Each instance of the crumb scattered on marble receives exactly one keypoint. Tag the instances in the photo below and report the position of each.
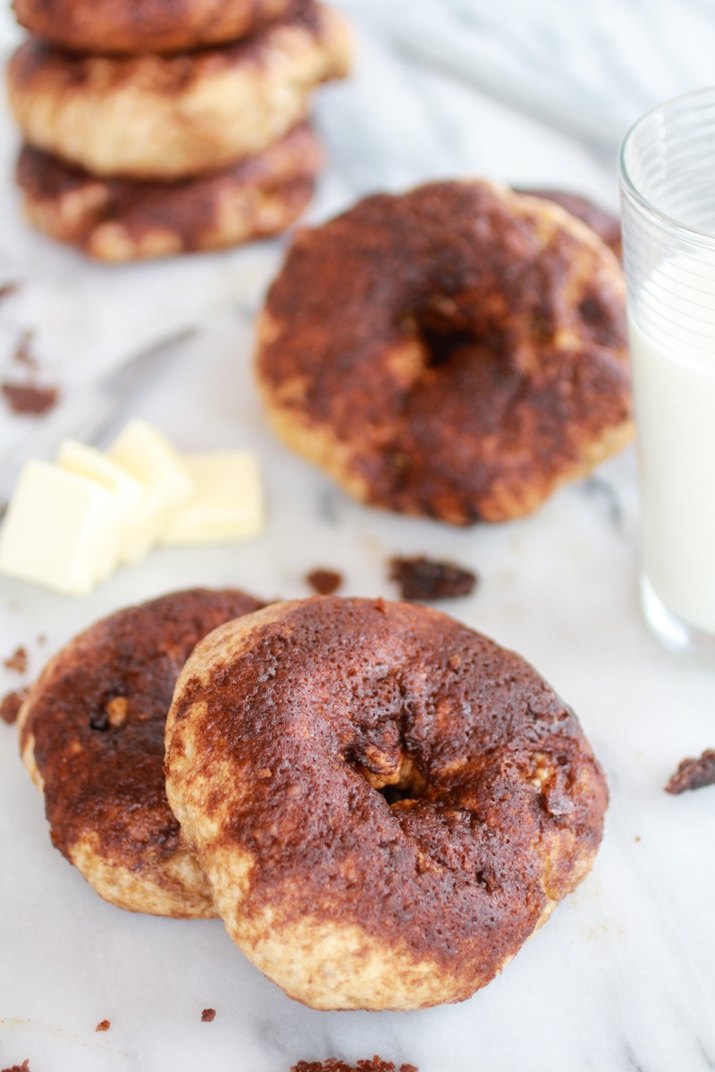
(10, 706)
(41, 639)
(28, 399)
(24, 1067)
(208, 1016)
(324, 581)
(693, 773)
(422, 579)
(103, 1025)
(17, 661)
(637, 838)
(8, 289)
(23, 351)
(333, 1064)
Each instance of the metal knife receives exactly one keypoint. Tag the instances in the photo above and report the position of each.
(90, 411)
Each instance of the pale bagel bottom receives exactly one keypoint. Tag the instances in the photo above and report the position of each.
(124, 220)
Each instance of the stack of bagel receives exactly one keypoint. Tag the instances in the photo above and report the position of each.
(153, 127)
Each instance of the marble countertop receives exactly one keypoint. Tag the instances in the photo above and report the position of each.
(622, 976)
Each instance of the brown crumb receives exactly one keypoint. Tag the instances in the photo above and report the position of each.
(10, 706)
(9, 288)
(23, 351)
(324, 581)
(693, 773)
(424, 579)
(24, 1067)
(27, 399)
(333, 1064)
(208, 1016)
(17, 661)
(41, 638)
(637, 838)
(103, 1025)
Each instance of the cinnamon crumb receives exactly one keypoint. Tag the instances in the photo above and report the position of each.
(324, 581)
(23, 351)
(103, 1025)
(17, 661)
(693, 773)
(208, 1016)
(424, 579)
(333, 1064)
(8, 289)
(10, 706)
(27, 399)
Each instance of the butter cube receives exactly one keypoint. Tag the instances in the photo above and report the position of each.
(149, 457)
(57, 529)
(227, 502)
(126, 490)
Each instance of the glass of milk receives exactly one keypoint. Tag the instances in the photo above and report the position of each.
(668, 203)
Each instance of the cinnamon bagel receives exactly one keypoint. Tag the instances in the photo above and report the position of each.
(125, 220)
(456, 352)
(165, 117)
(136, 26)
(385, 803)
(92, 739)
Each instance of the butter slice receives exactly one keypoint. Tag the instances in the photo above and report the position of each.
(126, 490)
(227, 502)
(149, 457)
(57, 529)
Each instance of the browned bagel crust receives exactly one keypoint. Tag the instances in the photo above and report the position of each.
(606, 226)
(286, 725)
(137, 26)
(92, 738)
(456, 352)
(168, 117)
(123, 220)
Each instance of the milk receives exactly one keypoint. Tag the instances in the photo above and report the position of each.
(672, 333)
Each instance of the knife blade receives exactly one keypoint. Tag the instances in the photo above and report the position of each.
(90, 411)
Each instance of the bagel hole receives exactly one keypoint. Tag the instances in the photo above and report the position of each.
(395, 794)
(441, 343)
(405, 784)
(592, 311)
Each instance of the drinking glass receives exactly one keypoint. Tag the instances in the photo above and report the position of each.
(668, 212)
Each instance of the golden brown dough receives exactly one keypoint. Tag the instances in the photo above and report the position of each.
(165, 117)
(125, 220)
(92, 738)
(606, 226)
(386, 804)
(136, 26)
(456, 352)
